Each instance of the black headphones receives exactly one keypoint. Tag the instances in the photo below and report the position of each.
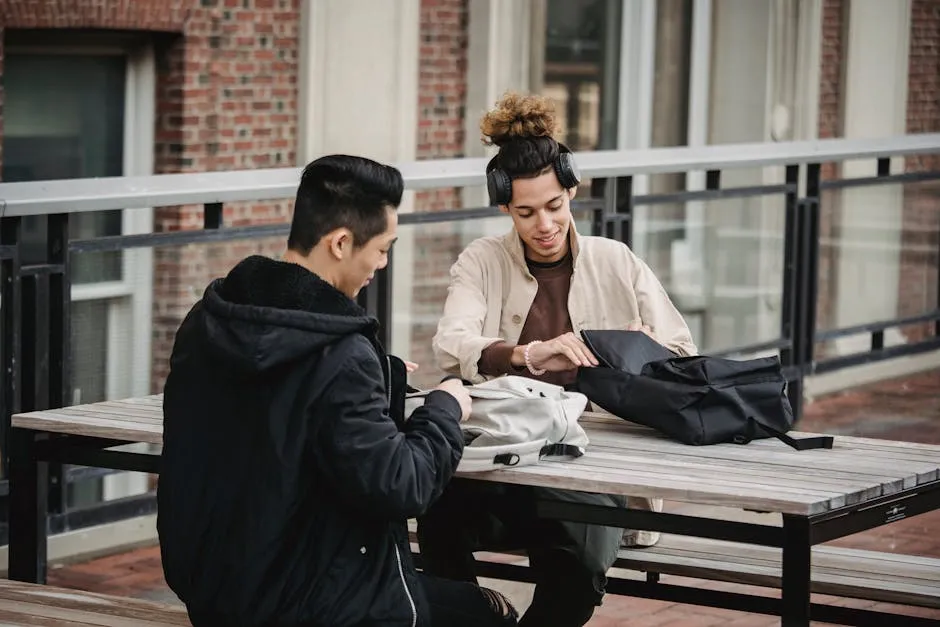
(499, 183)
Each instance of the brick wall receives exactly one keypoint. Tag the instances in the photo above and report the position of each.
(923, 88)
(442, 90)
(226, 99)
(830, 71)
(830, 126)
(442, 87)
(920, 239)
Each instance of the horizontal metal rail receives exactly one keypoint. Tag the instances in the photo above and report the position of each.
(166, 190)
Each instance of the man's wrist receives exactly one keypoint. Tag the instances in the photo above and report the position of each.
(517, 357)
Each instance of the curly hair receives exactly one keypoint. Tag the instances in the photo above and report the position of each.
(523, 126)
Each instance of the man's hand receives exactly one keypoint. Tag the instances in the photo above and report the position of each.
(455, 388)
(410, 366)
(565, 352)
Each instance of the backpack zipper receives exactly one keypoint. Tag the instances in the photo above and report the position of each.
(411, 601)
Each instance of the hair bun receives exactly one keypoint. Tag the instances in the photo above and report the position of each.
(518, 117)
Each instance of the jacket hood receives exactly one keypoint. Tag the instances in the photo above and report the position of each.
(266, 313)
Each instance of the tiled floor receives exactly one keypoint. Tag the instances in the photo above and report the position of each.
(905, 409)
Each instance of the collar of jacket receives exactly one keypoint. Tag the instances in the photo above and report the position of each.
(513, 244)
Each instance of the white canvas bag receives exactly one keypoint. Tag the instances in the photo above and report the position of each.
(515, 421)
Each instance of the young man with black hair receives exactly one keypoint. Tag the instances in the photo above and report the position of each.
(288, 468)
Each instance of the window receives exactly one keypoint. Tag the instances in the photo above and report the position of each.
(75, 112)
(581, 70)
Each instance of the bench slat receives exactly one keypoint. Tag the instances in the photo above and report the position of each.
(870, 575)
(19, 619)
(47, 605)
(837, 571)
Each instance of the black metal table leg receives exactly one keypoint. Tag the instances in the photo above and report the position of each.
(797, 557)
(28, 508)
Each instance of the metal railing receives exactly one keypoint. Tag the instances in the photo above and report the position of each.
(35, 297)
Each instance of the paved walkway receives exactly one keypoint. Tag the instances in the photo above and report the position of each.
(902, 409)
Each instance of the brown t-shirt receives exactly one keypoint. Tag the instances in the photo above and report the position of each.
(547, 319)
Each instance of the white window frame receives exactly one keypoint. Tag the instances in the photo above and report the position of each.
(130, 299)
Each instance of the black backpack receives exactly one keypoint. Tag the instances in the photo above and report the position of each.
(696, 400)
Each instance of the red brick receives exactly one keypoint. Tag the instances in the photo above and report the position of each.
(830, 126)
(442, 78)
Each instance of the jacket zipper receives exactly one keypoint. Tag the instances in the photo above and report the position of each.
(411, 601)
(401, 571)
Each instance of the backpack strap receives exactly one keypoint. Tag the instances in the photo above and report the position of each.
(561, 450)
(800, 444)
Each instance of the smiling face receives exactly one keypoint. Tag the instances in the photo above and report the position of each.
(541, 214)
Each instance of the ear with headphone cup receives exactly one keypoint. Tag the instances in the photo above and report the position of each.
(567, 170)
(499, 186)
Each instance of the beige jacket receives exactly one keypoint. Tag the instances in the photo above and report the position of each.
(491, 291)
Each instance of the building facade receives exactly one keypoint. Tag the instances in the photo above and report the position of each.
(128, 87)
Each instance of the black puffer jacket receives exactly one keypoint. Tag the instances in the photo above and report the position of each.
(285, 484)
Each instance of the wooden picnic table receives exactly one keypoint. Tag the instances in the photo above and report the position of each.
(820, 494)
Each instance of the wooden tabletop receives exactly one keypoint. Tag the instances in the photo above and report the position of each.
(622, 458)
(764, 475)
(131, 419)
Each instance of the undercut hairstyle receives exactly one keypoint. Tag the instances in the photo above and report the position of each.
(338, 191)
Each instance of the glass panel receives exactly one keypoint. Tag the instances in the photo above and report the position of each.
(582, 54)
(64, 118)
(421, 272)
(663, 224)
(734, 298)
(89, 346)
(877, 261)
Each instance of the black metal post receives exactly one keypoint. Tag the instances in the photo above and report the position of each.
(376, 299)
(598, 214)
(34, 341)
(936, 329)
(610, 207)
(625, 208)
(212, 215)
(10, 332)
(811, 227)
(618, 208)
(58, 296)
(797, 567)
(713, 179)
(884, 166)
(789, 319)
(805, 230)
(29, 481)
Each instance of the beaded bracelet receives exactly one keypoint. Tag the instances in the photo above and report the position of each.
(528, 361)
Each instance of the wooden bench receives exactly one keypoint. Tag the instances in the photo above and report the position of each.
(33, 604)
(837, 571)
